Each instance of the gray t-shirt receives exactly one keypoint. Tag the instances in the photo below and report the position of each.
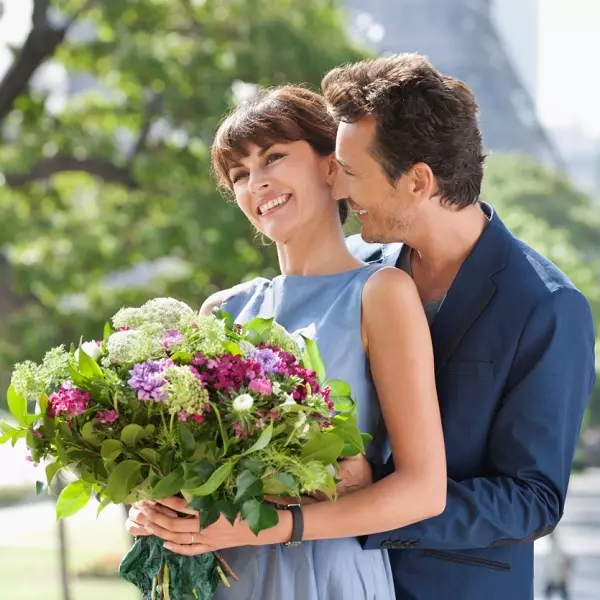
(431, 308)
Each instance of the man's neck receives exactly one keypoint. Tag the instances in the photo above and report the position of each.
(441, 245)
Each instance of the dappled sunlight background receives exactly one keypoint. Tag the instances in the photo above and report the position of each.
(107, 111)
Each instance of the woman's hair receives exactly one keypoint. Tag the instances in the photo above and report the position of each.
(276, 115)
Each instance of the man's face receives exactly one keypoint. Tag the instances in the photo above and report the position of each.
(385, 210)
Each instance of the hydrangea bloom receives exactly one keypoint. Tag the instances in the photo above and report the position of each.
(157, 314)
(68, 400)
(148, 379)
(185, 391)
(278, 336)
(131, 346)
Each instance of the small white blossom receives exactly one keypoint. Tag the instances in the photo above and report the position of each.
(276, 387)
(289, 400)
(91, 349)
(243, 403)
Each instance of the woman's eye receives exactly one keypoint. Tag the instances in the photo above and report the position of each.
(273, 157)
(238, 176)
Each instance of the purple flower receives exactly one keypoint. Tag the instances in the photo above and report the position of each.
(171, 337)
(262, 386)
(68, 400)
(147, 379)
(266, 358)
(108, 416)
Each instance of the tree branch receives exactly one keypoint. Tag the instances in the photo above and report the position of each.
(41, 43)
(100, 168)
(151, 110)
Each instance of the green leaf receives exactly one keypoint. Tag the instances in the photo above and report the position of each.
(132, 434)
(51, 470)
(182, 357)
(62, 451)
(39, 488)
(232, 348)
(88, 433)
(312, 358)
(252, 463)
(224, 316)
(338, 387)
(259, 516)
(262, 441)
(105, 502)
(186, 441)
(347, 429)
(17, 405)
(8, 430)
(283, 484)
(248, 485)
(262, 327)
(150, 455)
(224, 436)
(323, 447)
(122, 480)
(111, 449)
(73, 498)
(43, 403)
(88, 367)
(214, 481)
(107, 332)
(342, 404)
(169, 485)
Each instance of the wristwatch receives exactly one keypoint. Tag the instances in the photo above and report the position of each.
(297, 525)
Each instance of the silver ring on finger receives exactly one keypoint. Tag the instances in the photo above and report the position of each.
(193, 538)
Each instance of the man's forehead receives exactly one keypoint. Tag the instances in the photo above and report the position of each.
(354, 138)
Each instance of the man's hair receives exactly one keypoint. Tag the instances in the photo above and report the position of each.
(420, 115)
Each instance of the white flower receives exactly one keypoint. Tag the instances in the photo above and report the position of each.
(243, 403)
(91, 349)
(289, 400)
(276, 387)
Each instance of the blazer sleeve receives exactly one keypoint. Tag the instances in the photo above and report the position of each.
(532, 442)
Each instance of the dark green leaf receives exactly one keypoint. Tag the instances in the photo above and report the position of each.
(73, 498)
(214, 482)
(150, 455)
(122, 480)
(248, 486)
(169, 485)
(259, 516)
(39, 488)
(186, 441)
(224, 316)
(253, 464)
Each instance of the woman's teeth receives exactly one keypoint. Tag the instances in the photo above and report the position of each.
(267, 206)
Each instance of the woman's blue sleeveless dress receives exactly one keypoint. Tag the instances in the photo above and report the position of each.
(327, 309)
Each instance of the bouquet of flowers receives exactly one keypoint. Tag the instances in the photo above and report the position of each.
(173, 402)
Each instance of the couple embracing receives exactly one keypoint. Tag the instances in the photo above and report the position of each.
(471, 355)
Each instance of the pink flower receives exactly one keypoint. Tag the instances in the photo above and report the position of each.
(68, 400)
(172, 337)
(108, 416)
(29, 458)
(262, 386)
(198, 418)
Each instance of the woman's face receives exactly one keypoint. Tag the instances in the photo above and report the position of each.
(285, 188)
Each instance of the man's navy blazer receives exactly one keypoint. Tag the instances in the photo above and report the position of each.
(514, 357)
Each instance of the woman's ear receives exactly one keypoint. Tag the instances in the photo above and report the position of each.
(332, 169)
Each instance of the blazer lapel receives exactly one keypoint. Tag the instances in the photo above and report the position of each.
(472, 289)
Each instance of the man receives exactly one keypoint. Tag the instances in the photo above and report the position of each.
(513, 339)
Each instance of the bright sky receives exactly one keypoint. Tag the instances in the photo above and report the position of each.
(568, 67)
(569, 63)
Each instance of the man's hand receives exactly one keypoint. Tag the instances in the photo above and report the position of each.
(355, 474)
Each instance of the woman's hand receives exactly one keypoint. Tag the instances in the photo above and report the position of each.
(182, 534)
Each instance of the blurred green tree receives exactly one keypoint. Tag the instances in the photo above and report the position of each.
(107, 197)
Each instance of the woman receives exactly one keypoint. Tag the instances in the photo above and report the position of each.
(276, 155)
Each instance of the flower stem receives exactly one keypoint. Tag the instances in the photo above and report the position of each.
(166, 594)
(223, 576)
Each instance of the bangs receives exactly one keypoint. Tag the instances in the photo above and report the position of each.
(262, 125)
